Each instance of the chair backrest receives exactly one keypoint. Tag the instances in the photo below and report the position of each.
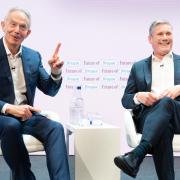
(133, 138)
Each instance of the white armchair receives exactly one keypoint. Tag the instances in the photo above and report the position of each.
(133, 138)
(33, 144)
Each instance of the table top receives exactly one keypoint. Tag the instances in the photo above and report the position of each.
(73, 127)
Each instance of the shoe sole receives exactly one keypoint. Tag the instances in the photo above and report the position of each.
(120, 163)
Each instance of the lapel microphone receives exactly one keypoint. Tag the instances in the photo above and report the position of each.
(162, 65)
(13, 68)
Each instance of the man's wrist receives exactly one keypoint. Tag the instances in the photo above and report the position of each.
(136, 101)
(4, 108)
(56, 74)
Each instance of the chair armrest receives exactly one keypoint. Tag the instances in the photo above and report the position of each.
(132, 136)
(50, 115)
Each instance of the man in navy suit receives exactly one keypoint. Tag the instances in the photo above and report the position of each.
(153, 93)
(21, 72)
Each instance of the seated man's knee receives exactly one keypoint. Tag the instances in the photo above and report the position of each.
(12, 126)
(58, 126)
(166, 101)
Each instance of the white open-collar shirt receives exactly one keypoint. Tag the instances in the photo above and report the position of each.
(162, 74)
(16, 67)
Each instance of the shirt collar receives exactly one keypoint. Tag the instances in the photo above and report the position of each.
(169, 55)
(8, 52)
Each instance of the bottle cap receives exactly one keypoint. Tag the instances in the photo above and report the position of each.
(78, 87)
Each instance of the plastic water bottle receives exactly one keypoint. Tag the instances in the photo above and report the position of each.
(77, 107)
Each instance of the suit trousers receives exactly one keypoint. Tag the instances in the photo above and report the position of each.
(159, 124)
(49, 132)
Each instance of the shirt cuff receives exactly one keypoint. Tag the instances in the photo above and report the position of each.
(58, 71)
(136, 100)
(3, 110)
(56, 75)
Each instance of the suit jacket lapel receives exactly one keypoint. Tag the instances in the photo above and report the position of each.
(148, 73)
(4, 61)
(176, 59)
(25, 60)
(6, 72)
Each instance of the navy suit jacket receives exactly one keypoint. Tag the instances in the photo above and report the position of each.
(140, 80)
(35, 76)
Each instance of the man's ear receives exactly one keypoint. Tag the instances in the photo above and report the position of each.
(3, 26)
(28, 32)
(150, 39)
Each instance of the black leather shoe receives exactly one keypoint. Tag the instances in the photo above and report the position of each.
(128, 163)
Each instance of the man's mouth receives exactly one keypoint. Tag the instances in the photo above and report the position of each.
(16, 38)
(164, 43)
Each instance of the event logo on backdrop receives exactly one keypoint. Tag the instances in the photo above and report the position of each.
(97, 74)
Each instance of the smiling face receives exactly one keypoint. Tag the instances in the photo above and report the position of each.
(161, 40)
(16, 29)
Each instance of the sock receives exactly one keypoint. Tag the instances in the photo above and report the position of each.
(142, 149)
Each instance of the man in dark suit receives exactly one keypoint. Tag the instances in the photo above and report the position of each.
(153, 93)
(21, 71)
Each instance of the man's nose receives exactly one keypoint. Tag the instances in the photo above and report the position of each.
(17, 29)
(165, 36)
